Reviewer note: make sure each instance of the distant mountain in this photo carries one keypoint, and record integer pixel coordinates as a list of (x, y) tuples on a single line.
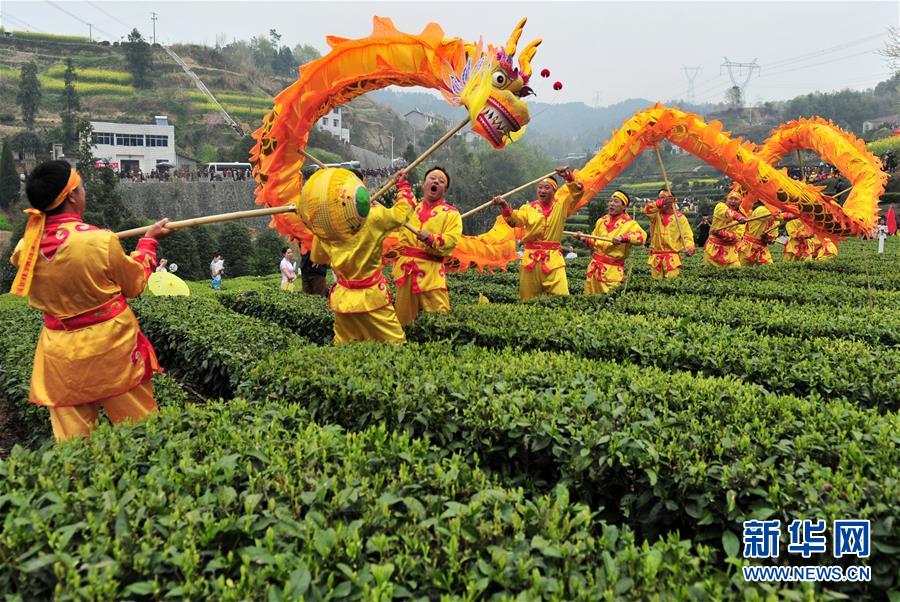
[(557, 128)]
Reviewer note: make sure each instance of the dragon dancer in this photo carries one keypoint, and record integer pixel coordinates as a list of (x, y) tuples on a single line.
[(607, 268), (670, 234), (721, 250), (91, 352), (543, 266), (758, 235), (419, 272), (802, 243), (362, 305), (825, 249)]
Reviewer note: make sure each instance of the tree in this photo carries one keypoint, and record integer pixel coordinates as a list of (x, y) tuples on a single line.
[(206, 239), (236, 249), (7, 270), (140, 58), (284, 63), (891, 50), (181, 248), (84, 151), (29, 96), (71, 104), (104, 205), (9, 178), (207, 154), (733, 96), (304, 53), (267, 252)]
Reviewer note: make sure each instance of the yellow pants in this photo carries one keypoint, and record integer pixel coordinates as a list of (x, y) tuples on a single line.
[(378, 325), (611, 276), (408, 304), (287, 286), (662, 274), (535, 282), (81, 420), (727, 256)]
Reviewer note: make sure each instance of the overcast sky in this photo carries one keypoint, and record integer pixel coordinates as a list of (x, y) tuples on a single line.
[(600, 51)]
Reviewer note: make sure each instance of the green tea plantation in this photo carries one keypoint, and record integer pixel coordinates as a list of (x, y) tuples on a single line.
[(578, 448)]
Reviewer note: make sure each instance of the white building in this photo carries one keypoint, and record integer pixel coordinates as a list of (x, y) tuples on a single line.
[(135, 145), (331, 123), (420, 120)]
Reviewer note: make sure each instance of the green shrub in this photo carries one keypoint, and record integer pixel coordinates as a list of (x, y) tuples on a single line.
[(661, 451), (205, 344), (307, 315), (234, 501), (107, 76), (50, 37)]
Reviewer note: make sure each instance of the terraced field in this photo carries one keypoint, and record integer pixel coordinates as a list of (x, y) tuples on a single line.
[(570, 448)]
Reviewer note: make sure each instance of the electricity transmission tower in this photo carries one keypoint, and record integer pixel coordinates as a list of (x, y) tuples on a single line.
[(690, 73), (740, 74)]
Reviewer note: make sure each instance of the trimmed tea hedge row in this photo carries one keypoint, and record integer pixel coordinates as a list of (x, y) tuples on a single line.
[(20, 326), (830, 369), (662, 450), (209, 345), (772, 317), (258, 504), (306, 315)]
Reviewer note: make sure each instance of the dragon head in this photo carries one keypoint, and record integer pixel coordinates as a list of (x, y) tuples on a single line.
[(504, 113)]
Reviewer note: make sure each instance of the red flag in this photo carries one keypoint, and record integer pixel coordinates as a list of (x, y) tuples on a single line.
[(891, 220)]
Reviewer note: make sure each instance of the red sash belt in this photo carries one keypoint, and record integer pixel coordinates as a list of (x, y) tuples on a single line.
[(419, 254), (755, 241), (721, 241), (542, 246), (663, 261), (598, 265), (107, 311), (373, 280), (609, 260)]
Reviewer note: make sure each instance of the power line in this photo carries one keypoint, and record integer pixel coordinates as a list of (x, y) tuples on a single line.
[(90, 25), (110, 15), (691, 74), (23, 23), (818, 53)]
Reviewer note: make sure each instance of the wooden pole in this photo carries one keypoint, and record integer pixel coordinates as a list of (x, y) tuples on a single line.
[(313, 159), (843, 192), (212, 219), (733, 224), (423, 156), (506, 195), (591, 236), (800, 161)]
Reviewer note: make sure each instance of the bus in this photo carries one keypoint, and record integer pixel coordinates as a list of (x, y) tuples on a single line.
[(221, 167)]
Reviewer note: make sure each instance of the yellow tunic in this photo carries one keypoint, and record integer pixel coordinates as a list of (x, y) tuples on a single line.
[(721, 250), (798, 249), (419, 272), (607, 268), (754, 247), (360, 299), (543, 226), (665, 240), (91, 348), (826, 249)]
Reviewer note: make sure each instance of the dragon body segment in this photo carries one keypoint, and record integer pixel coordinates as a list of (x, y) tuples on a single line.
[(485, 81), (752, 167)]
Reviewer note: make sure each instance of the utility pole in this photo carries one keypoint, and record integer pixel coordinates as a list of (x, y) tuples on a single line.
[(740, 74), (391, 134), (153, 18), (690, 73), (90, 33)]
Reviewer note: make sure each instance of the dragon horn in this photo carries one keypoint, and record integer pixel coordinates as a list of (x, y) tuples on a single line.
[(527, 55), (510, 48)]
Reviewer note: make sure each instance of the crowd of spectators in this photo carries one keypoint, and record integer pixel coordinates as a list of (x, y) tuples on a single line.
[(185, 174)]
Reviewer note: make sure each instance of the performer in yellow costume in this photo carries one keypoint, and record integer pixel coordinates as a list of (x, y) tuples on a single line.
[(721, 250), (607, 268), (91, 352), (542, 220), (360, 299), (758, 235), (670, 234), (825, 249), (419, 272), (802, 244)]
